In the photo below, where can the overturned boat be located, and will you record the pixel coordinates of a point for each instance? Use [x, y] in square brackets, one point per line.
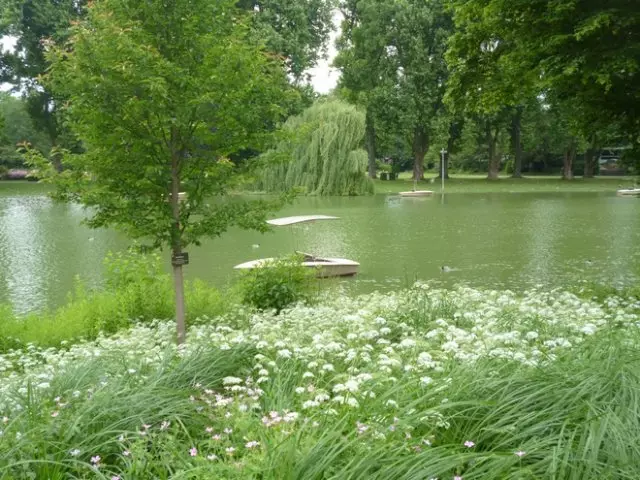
[629, 192]
[326, 267]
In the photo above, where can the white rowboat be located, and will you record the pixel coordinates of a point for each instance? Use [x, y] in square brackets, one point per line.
[325, 266]
[417, 193]
[629, 192]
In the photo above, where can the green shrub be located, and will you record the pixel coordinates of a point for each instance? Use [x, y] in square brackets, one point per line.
[135, 289]
[278, 284]
[204, 302]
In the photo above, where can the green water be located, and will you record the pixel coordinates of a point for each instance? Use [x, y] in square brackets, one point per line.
[502, 240]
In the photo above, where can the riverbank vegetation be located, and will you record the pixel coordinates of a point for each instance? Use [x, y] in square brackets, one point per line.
[321, 153]
[478, 183]
[420, 382]
[136, 290]
[551, 114]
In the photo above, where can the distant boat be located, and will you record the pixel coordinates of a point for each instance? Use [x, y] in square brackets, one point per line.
[629, 192]
[416, 193]
[325, 266]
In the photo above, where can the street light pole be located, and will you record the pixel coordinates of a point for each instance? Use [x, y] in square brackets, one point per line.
[443, 152]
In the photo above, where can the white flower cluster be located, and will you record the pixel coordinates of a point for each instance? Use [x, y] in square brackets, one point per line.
[353, 347]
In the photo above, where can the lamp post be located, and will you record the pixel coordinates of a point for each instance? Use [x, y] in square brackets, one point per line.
[443, 152]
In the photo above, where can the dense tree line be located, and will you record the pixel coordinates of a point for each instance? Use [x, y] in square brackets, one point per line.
[501, 85]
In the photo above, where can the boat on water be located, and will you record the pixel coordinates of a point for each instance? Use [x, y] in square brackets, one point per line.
[629, 192]
[416, 193]
[326, 267]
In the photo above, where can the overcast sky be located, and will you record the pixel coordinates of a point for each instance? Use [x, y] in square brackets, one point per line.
[324, 78]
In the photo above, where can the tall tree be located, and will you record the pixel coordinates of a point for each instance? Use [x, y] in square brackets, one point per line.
[297, 30]
[395, 53]
[361, 63]
[321, 152]
[34, 24]
[162, 93]
[583, 52]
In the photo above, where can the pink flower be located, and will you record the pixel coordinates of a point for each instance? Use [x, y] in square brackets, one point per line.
[193, 451]
[95, 460]
[469, 444]
[457, 477]
[55, 414]
[115, 477]
[520, 453]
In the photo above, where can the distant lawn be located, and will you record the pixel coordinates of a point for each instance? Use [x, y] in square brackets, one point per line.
[478, 183]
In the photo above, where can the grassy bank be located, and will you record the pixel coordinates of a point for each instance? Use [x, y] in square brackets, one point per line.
[480, 184]
[136, 291]
[420, 383]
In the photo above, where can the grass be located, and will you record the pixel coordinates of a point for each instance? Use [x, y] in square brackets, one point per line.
[465, 183]
[575, 419]
[135, 291]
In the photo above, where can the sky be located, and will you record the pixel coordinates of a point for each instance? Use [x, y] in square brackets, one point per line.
[323, 77]
[6, 43]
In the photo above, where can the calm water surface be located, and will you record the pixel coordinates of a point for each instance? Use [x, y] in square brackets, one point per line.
[500, 240]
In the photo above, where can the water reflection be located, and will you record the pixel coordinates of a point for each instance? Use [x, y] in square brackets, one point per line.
[499, 240]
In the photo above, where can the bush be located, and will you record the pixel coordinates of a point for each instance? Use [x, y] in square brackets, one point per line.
[278, 284]
[135, 290]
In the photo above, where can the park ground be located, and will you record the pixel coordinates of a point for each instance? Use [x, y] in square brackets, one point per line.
[478, 183]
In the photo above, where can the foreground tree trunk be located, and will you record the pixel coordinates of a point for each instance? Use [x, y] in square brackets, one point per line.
[176, 249]
[590, 158]
[494, 157]
[516, 142]
[370, 143]
[420, 149]
[569, 157]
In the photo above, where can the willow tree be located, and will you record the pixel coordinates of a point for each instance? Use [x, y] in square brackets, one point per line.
[162, 94]
[321, 153]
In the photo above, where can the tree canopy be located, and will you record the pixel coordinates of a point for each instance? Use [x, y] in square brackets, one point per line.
[320, 153]
[161, 94]
[582, 53]
[392, 59]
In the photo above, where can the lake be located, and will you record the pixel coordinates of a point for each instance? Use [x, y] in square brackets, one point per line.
[503, 240]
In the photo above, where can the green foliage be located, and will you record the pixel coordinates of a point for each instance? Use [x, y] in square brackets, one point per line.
[35, 25]
[278, 284]
[295, 29]
[155, 111]
[135, 290]
[320, 153]
[122, 406]
[589, 58]
[17, 126]
[391, 55]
